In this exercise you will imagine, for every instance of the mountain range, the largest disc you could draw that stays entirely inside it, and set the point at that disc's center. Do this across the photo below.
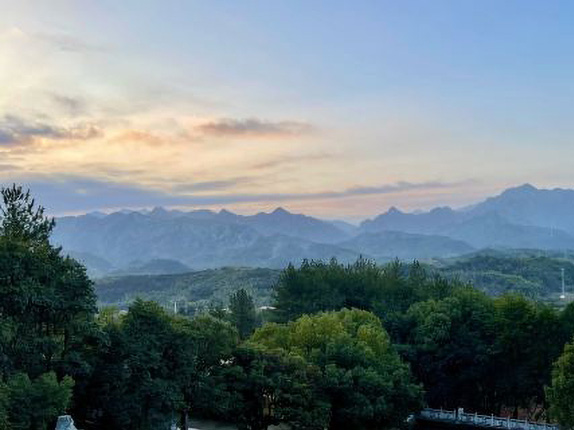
(171, 241)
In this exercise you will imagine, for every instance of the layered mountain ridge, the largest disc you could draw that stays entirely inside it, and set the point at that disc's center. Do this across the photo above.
(162, 240)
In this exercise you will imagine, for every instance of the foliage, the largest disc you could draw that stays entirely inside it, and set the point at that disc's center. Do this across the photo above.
(21, 220)
(362, 377)
(47, 305)
(35, 404)
(448, 347)
(242, 313)
(529, 339)
(561, 392)
(264, 388)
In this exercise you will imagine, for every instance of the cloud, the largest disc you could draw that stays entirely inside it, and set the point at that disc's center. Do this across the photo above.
(253, 127)
(211, 185)
(8, 167)
(17, 131)
(290, 159)
(73, 106)
(68, 193)
(140, 136)
(398, 187)
(66, 42)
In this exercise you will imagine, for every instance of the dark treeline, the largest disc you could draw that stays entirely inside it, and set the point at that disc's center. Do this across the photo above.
(351, 346)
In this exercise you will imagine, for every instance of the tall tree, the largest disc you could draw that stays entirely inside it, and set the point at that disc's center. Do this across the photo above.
(528, 340)
(47, 305)
(21, 219)
(242, 312)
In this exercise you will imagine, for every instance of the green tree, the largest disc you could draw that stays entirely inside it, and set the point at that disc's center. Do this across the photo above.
(449, 349)
(35, 404)
(151, 393)
(265, 388)
(529, 339)
(561, 392)
(46, 300)
(242, 313)
(361, 376)
(201, 346)
(21, 219)
(47, 305)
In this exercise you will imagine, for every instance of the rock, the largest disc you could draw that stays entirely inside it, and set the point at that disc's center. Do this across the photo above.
(65, 422)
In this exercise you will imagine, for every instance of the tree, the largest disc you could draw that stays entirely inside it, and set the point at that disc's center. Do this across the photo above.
(242, 313)
(46, 299)
(561, 392)
(139, 389)
(21, 219)
(153, 368)
(449, 349)
(388, 290)
(528, 341)
(35, 404)
(265, 388)
(361, 376)
(567, 322)
(201, 346)
(47, 305)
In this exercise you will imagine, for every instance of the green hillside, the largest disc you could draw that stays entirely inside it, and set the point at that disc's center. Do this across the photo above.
(199, 288)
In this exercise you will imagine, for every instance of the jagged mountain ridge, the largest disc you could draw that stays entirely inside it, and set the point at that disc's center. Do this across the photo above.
(521, 217)
(198, 239)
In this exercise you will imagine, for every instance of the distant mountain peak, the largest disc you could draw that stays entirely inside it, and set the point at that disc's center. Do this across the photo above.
(522, 189)
(159, 210)
(280, 211)
(225, 212)
(393, 210)
(442, 209)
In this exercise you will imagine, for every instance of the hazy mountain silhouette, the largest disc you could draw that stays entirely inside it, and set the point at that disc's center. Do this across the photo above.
(521, 217)
(198, 239)
(396, 244)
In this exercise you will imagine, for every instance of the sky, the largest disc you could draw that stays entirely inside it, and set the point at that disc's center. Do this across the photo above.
(338, 109)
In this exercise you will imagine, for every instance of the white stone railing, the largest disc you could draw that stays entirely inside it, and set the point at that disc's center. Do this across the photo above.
(460, 417)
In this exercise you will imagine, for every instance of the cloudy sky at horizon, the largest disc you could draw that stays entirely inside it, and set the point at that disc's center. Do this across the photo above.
(336, 109)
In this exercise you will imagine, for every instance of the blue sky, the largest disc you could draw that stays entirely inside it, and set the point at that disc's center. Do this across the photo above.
(337, 109)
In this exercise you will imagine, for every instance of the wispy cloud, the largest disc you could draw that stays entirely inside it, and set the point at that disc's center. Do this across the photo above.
(16, 131)
(253, 127)
(67, 193)
(203, 186)
(73, 106)
(8, 167)
(66, 42)
(290, 159)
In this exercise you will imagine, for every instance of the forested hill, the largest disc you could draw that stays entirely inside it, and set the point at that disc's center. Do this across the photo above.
(202, 289)
(534, 274)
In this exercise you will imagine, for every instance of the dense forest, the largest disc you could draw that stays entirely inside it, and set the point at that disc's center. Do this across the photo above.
(358, 346)
(534, 274)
